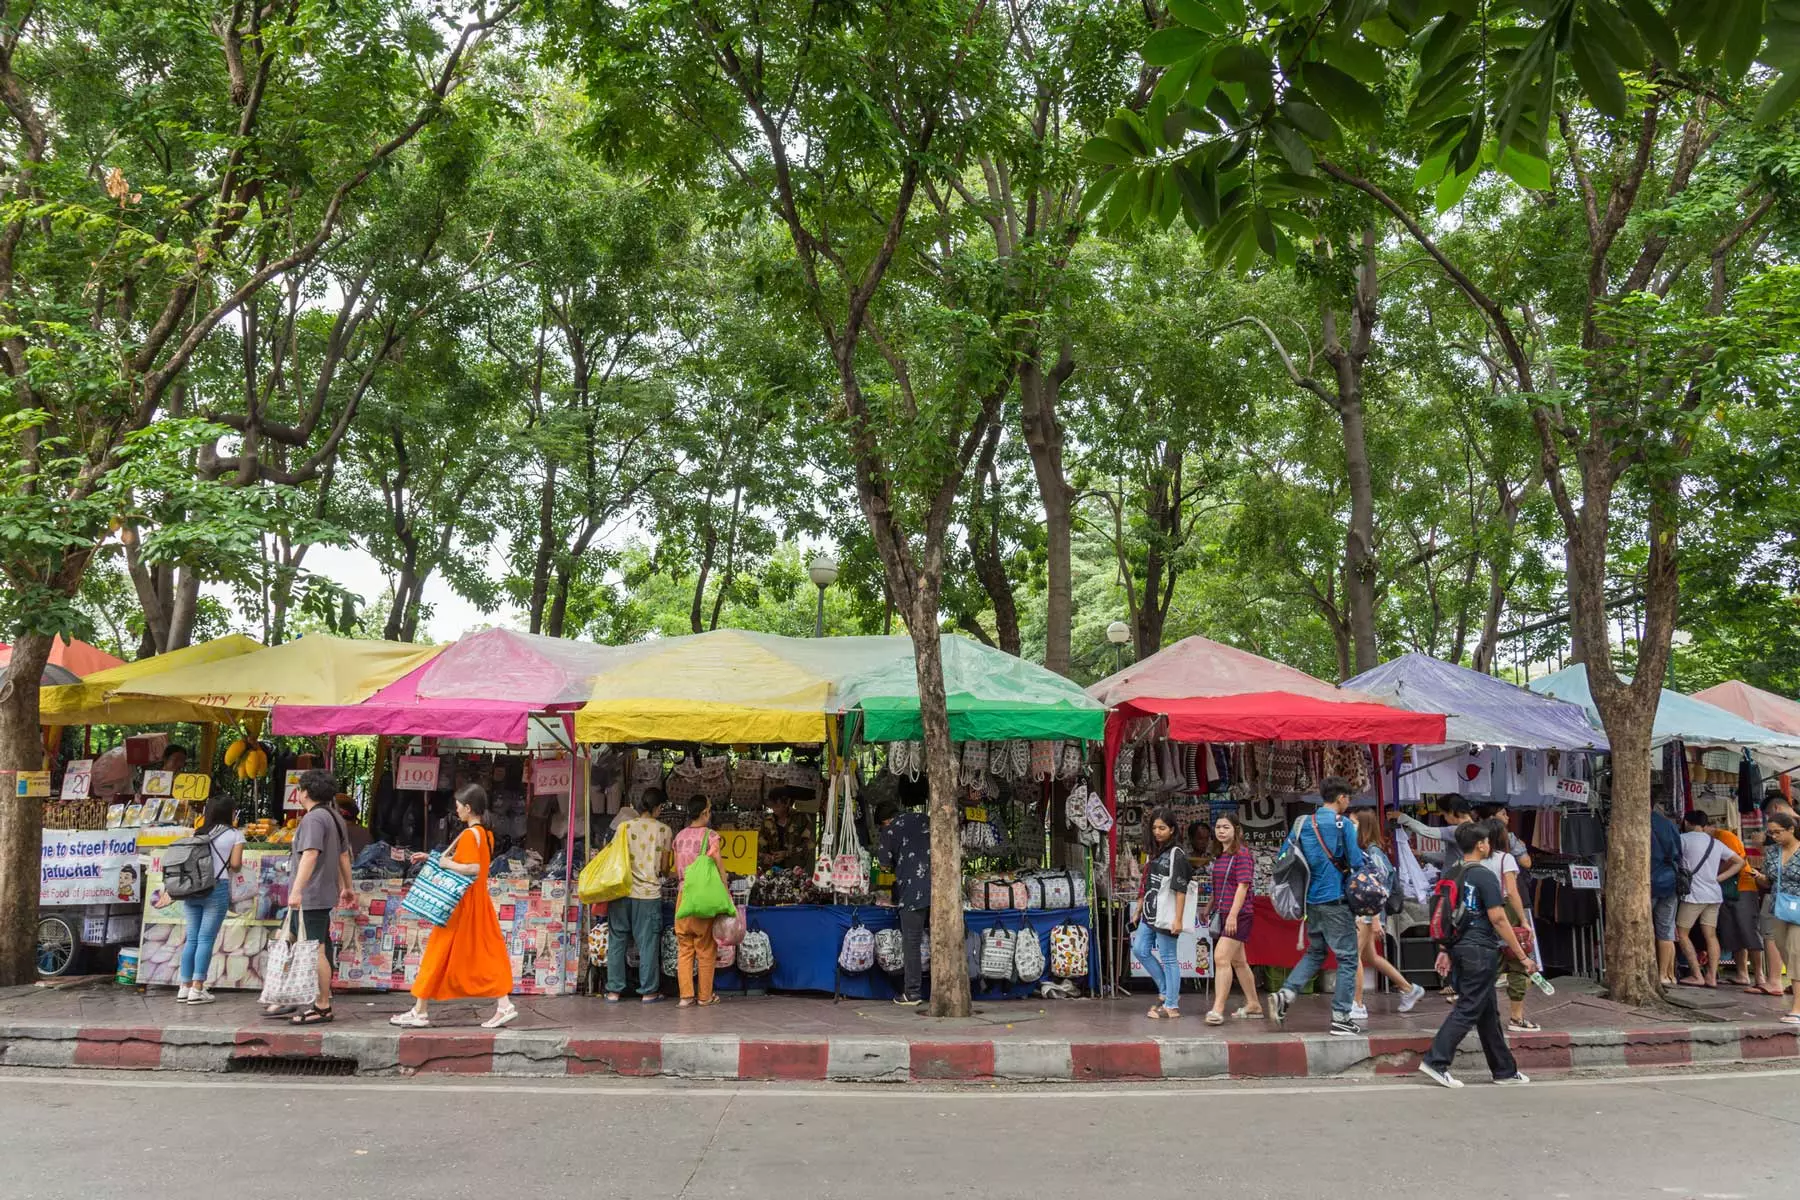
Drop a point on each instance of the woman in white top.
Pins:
(1505, 864)
(1781, 876)
(1707, 861)
(206, 914)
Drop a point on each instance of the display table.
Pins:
(379, 945)
(806, 939)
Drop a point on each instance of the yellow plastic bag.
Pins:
(607, 875)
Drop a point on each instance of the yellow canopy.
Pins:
(317, 669)
(91, 701)
(724, 686)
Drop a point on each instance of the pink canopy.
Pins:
(486, 686)
(1754, 705)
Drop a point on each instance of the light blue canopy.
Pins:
(1479, 709)
(1684, 719)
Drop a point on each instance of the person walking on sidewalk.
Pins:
(1708, 862)
(696, 952)
(1479, 930)
(1738, 916)
(1328, 840)
(1773, 955)
(1370, 936)
(1155, 937)
(1780, 875)
(904, 848)
(1233, 875)
(465, 957)
(206, 914)
(319, 870)
(1505, 866)
(1665, 897)
(636, 917)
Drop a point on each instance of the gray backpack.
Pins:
(1290, 877)
(190, 868)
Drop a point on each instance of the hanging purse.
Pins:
(823, 868)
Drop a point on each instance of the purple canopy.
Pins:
(1479, 709)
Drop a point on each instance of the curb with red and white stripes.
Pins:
(532, 1053)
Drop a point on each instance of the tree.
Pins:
(166, 163)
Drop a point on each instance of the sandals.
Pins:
(504, 1017)
(1157, 1013)
(313, 1015)
(1765, 990)
(1524, 1027)
(410, 1019)
(1791, 1019)
(279, 1011)
(1249, 1014)
(1215, 1018)
(709, 1003)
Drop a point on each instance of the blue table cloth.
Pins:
(806, 939)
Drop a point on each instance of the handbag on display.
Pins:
(671, 953)
(974, 762)
(290, 968)
(890, 952)
(822, 870)
(857, 952)
(1034, 892)
(755, 954)
(1058, 889)
(1070, 766)
(1044, 757)
(1069, 951)
(1028, 956)
(997, 949)
(599, 938)
(850, 869)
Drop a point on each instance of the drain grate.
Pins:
(290, 1065)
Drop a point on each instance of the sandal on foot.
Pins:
(1249, 1014)
(1524, 1027)
(686, 1002)
(410, 1019)
(1215, 1018)
(709, 1003)
(1791, 1019)
(1157, 1012)
(314, 1015)
(279, 1011)
(503, 1017)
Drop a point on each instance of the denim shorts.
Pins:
(1662, 917)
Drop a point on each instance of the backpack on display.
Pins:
(1289, 878)
(724, 954)
(1058, 888)
(997, 949)
(857, 953)
(889, 952)
(190, 868)
(755, 954)
(1068, 951)
(1028, 956)
(1446, 907)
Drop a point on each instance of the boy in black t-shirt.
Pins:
(1473, 963)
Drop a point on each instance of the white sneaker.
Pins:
(1513, 1080)
(1359, 1012)
(181, 994)
(201, 996)
(1411, 998)
(1444, 1077)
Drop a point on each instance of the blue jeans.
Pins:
(1329, 925)
(204, 917)
(641, 921)
(1156, 950)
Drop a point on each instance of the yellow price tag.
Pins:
(975, 814)
(737, 850)
(33, 785)
(192, 787)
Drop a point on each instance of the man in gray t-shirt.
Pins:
(319, 880)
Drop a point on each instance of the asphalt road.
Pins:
(1694, 1137)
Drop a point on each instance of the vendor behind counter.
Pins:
(786, 840)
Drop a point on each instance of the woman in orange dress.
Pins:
(465, 958)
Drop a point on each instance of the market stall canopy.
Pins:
(736, 686)
(316, 669)
(1755, 705)
(76, 657)
(51, 676)
(1684, 719)
(93, 701)
(1211, 692)
(484, 687)
(1479, 709)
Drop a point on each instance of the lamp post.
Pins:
(1118, 633)
(824, 572)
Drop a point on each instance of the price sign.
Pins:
(1572, 789)
(290, 792)
(159, 783)
(975, 813)
(33, 785)
(1263, 812)
(417, 773)
(192, 786)
(1584, 877)
(552, 776)
(78, 778)
(737, 849)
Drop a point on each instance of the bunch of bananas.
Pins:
(250, 758)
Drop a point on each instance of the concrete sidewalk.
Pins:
(99, 1024)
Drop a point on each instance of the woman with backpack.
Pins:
(1780, 874)
(1154, 939)
(1233, 875)
(465, 957)
(206, 913)
(697, 952)
(1370, 941)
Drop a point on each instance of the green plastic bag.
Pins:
(703, 891)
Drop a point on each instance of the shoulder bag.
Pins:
(1787, 904)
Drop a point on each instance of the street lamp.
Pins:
(824, 572)
(1118, 633)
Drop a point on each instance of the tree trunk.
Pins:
(403, 599)
(949, 963)
(559, 603)
(1038, 391)
(21, 821)
(695, 612)
(183, 610)
(1488, 648)
(1631, 972)
(1360, 566)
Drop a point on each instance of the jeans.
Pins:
(641, 921)
(1329, 925)
(1156, 950)
(1473, 969)
(914, 922)
(205, 916)
(1662, 917)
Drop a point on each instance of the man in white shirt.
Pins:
(1707, 861)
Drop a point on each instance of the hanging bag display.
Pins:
(997, 949)
(850, 867)
(671, 952)
(1028, 956)
(889, 951)
(290, 968)
(1069, 951)
(822, 870)
(857, 952)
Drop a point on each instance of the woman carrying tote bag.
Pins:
(465, 958)
(698, 905)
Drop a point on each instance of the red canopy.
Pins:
(1285, 717)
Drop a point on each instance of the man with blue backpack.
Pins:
(1327, 841)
